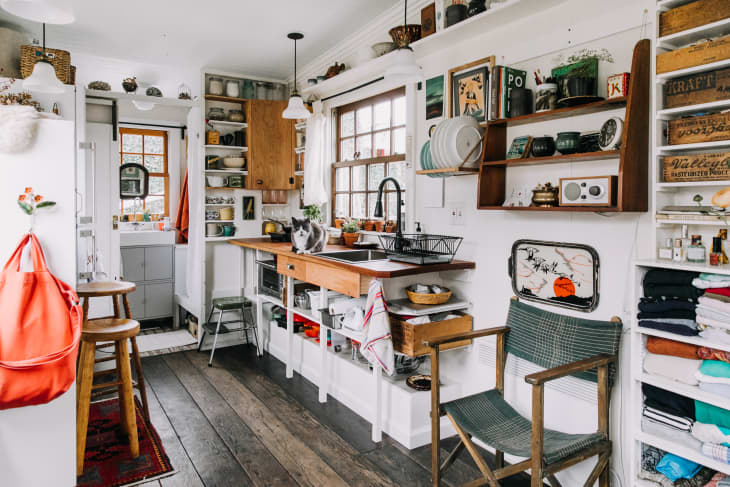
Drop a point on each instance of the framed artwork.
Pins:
(435, 97)
(520, 147)
(249, 208)
(469, 89)
(428, 20)
(560, 274)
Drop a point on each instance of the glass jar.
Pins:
(183, 92)
(235, 116)
(232, 89)
(249, 91)
(216, 113)
(215, 86)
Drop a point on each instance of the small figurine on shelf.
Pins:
(130, 84)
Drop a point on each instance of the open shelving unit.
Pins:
(633, 160)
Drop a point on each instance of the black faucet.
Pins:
(379, 204)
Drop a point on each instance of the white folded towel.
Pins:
(675, 368)
(377, 346)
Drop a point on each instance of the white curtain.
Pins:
(315, 158)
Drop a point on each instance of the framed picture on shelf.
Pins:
(428, 20)
(249, 208)
(434, 97)
(469, 87)
(520, 147)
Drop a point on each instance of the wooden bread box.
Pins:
(697, 88)
(691, 15)
(704, 53)
(694, 130)
(408, 338)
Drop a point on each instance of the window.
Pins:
(371, 144)
(148, 148)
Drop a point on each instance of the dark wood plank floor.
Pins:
(242, 422)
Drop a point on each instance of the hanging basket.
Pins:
(18, 126)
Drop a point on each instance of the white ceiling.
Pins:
(244, 36)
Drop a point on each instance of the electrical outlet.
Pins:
(456, 215)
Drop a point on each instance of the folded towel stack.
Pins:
(713, 314)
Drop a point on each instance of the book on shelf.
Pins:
(501, 82)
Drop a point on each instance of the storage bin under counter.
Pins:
(408, 338)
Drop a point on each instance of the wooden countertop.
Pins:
(381, 268)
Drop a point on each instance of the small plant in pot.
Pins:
(389, 226)
(313, 212)
(369, 225)
(350, 233)
(379, 225)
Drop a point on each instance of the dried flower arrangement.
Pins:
(583, 54)
(16, 98)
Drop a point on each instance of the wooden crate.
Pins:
(705, 53)
(697, 167)
(692, 15)
(408, 339)
(697, 88)
(693, 130)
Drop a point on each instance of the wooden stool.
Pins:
(115, 330)
(100, 289)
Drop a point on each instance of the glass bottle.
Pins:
(665, 251)
(716, 255)
(686, 242)
(696, 252)
(678, 251)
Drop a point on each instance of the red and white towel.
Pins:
(377, 346)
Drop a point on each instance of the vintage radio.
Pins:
(588, 191)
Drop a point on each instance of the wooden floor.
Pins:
(241, 422)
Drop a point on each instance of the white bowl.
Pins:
(234, 162)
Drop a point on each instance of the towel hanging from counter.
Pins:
(377, 346)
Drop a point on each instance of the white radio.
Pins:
(588, 191)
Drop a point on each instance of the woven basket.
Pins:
(422, 298)
(61, 61)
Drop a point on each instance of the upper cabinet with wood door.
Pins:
(271, 160)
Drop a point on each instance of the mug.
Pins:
(227, 139)
(226, 213)
(212, 230)
(229, 230)
(217, 181)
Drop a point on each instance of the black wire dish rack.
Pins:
(420, 248)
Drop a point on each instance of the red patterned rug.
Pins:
(108, 462)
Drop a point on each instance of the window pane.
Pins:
(399, 141)
(382, 115)
(398, 171)
(131, 159)
(155, 204)
(392, 204)
(347, 124)
(376, 173)
(154, 163)
(131, 143)
(342, 176)
(154, 144)
(364, 120)
(347, 150)
(157, 186)
(359, 174)
(128, 207)
(382, 144)
(372, 198)
(342, 205)
(399, 111)
(364, 146)
(358, 205)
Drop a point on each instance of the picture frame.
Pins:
(520, 147)
(435, 97)
(248, 208)
(428, 20)
(559, 274)
(469, 88)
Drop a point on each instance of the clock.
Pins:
(611, 134)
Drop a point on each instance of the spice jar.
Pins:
(216, 113)
(215, 86)
(235, 116)
(232, 89)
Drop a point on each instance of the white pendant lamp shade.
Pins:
(404, 68)
(296, 109)
(43, 11)
(43, 79)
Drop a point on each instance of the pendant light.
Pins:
(404, 68)
(42, 11)
(43, 78)
(296, 108)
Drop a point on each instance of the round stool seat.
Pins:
(104, 288)
(109, 329)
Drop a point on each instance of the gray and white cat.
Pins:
(307, 237)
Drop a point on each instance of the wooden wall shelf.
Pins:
(226, 99)
(633, 171)
(451, 171)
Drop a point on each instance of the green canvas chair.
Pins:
(564, 346)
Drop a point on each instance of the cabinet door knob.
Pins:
(259, 181)
(290, 267)
(291, 180)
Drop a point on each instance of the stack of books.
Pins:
(501, 82)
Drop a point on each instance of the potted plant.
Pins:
(389, 226)
(350, 233)
(379, 225)
(369, 225)
(313, 212)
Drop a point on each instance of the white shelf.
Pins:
(683, 451)
(226, 171)
(715, 223)
(226, 123)
(663, 77)
(272, 300)
(692, 184)
(720, 144)
(670, 4)
(679, 39)
(274, 204)
(219, 221)
(684, 266)
(226, 147)
(119, 96)
(220, 204)
(219, 239)
(702, 107)
(694, 340)
(685, 390)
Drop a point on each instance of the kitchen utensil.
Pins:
(419, 382)
(239, 138)
(546, 97)
(427, 297)
(301, 300)
(213, 230)
(476, 7)
(405, 34)
(217, 181)
(420, 248)
(212, 215)
(381, 48)
(520, 102)
(249, 91)
(464, 135)
(227, 139)
(567, 142)
(589, 142)
(543, 146)
(229, 230)
(234, 162)
(270, 226)
(407, 365)
(226, 213)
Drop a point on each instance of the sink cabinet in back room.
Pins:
(271, 157)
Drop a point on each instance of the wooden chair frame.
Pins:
(535, 463)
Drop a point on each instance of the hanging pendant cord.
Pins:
(295, 65)
(44, 39)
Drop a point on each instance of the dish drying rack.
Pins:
(420, 248)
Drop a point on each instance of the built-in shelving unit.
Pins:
(139, 97)
(633, 154)
(238, 148)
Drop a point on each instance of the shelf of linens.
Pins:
(683, 451)
(694, 340)
(693, 392)
(684, 266)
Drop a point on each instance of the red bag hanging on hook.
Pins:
(40, 328)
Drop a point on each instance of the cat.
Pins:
(307, 237)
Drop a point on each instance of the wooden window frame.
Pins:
(166, 174)
(371, 161)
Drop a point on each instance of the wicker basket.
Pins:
(423, 298)
(61, 61)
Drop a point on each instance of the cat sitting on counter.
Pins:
(307, 237)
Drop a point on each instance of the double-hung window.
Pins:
(149, 149)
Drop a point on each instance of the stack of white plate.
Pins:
(453, 142)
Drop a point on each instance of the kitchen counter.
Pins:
(379, 269)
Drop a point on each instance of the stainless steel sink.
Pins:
(353, 256)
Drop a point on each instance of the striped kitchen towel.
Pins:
(682, 423)
(377, 346)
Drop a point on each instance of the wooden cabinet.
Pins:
(271, 158)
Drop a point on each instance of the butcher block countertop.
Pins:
(380, 269)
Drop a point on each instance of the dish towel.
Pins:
(715, 335)
(711, 433)
(377, 346)
(718, 452)
(675, 368)
(182, 222)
